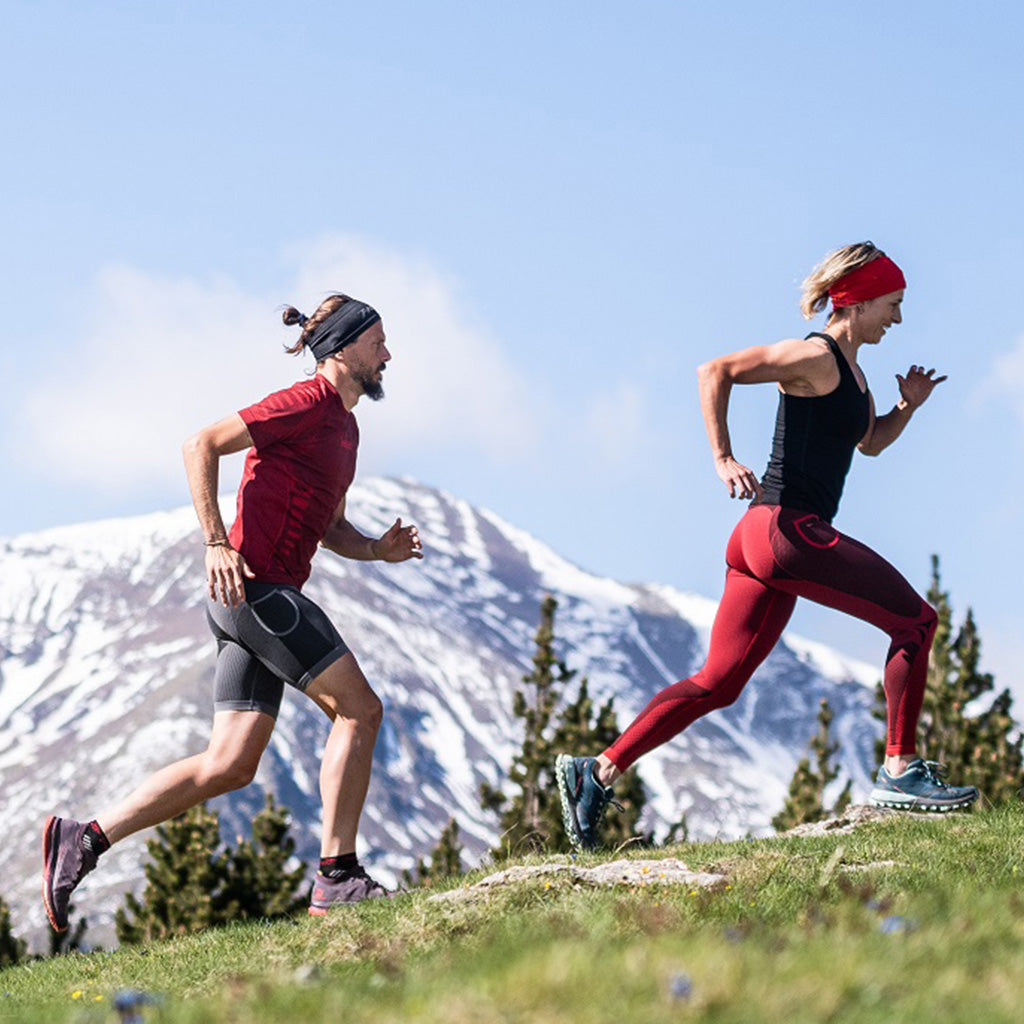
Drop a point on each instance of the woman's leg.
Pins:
(748, 623)
(813, 560)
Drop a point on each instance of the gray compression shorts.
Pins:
(275, 636)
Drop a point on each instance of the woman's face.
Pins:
(875, 317)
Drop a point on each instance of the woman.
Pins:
(785, 547)
(301, 459)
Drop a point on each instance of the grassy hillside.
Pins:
(909, 919)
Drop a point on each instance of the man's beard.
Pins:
(372, 386)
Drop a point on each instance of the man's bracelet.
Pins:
(221, 542)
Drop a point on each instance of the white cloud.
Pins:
(161, 358)
(617, 432)
(1006, 380)
(449, 383)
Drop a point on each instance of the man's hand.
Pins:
(399, 544)
(226, 571)
(741, 481)
(917, 386)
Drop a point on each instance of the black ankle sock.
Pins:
(338, 867)
(93, 839)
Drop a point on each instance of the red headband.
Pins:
(879, 276)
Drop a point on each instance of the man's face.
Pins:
(366, 358)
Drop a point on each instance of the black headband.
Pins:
(342, 326)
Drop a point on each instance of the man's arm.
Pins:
(225, 567)
(914, 391)
(398, 544)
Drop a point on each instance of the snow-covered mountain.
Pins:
(106, 664)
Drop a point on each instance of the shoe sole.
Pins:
(48, 830)
(324, 911)
(916, 803)
(562, 762)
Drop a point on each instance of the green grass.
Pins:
(798, 935)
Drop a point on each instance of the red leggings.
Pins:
(776, 555)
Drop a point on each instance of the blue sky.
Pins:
(560, 209)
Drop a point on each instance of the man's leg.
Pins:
(71, 848)
(229, 762)
(355, 712)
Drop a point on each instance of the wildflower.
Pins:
(680, 987)
(893, 924)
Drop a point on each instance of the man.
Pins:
(302, 452)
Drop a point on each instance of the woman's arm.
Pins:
(799, 366)
(915, 389)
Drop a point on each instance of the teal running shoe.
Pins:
(584, 799)
(920, 788)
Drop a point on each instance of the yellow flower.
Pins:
(77, 994)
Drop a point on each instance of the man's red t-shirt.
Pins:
(301, 463)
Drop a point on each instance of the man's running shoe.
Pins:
(338, 892)
(65, 863)
(920, 788)
(584, 799)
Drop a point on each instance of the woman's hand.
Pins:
(741, 481)
(917, 386)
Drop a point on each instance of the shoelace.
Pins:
(361, 872)
(936, 772)
(607, 799)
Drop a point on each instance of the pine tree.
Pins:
(806, 799)
(978, 748)
(576, 731)
(531, 820)
(260, 883)
(71, 940)
(12, 949)
(193, 883)
(524, 822)
(185, 877)
(445, 860)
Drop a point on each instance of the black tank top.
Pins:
(814, 443)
